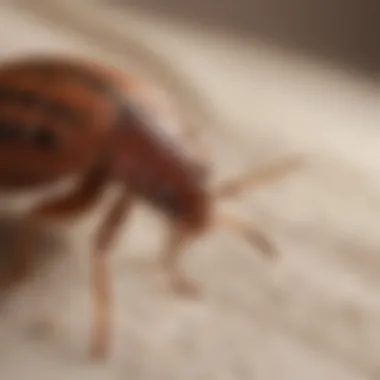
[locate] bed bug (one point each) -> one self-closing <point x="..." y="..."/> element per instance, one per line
<point x="61" y="117"/>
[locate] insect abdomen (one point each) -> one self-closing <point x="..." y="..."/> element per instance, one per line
<point x="54" y="119"/>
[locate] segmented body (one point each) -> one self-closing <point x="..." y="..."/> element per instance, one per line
<point x="62" y="117"/>
<point x="56" y="118"/>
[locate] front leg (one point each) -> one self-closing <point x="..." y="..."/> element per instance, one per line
<point x="100" y="274"/>
<point x="179" y="239"/>
<point x="255" y="179"/>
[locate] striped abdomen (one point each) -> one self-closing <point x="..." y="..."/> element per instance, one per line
<point x="55" y="118"/>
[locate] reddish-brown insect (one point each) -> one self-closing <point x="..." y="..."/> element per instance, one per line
<point x="64" y="117"/>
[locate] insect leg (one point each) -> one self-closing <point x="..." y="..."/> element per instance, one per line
<point x="177" y="241"/>
<point x="257" y="178"/>
<point x="100" y="274"/>
<point x="78" y="201"/>
<point x="249" y="233"/>
<point x="69" y="205"/>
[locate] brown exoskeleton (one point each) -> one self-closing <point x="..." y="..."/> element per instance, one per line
<point x="61" y="117"/>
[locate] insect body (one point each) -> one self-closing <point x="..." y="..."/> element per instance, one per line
<point x="62" y="117"/>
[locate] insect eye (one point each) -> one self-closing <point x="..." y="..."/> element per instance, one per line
<point x="168" y="199"/>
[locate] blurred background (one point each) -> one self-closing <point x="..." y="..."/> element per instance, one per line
<point x="262" y="80"/>
<point x="343" y="31"/>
